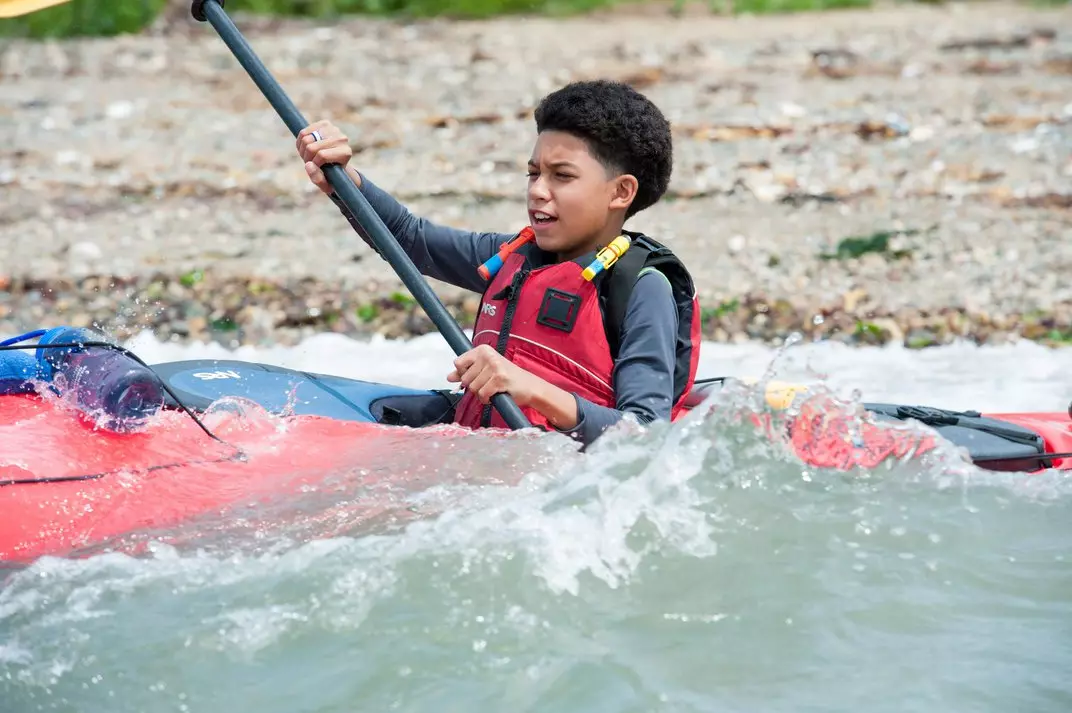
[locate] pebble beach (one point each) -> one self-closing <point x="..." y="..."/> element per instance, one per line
<point x="895" y="175"/>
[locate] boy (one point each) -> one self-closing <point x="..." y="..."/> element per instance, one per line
<point x="576" y="355"/>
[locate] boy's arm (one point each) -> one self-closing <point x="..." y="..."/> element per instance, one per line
<point x="644" y="371"/>
<point x="438" y="251"/>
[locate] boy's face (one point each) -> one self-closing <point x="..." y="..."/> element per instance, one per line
<point x="574" y="205"/>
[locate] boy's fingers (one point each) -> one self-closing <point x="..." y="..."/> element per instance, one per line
<point x="477" y="385"/>
<point x="463" y="361"/>
<point x="317" y="177"/>
<point x="305" y="149"/>
<point x="331" y="155"/>
<point x="305" y="137"/>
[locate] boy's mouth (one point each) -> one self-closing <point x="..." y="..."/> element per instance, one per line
<point x="538" y="218"/>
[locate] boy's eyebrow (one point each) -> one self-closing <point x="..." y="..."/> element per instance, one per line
<point x="555" y="164"/>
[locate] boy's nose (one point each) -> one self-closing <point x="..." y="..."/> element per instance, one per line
<point x="538" y="189"/>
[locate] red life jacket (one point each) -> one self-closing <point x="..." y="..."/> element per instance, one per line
<point x="546" y="318"/>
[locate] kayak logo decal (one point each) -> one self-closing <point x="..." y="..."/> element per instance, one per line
<point x="210" y="375"/>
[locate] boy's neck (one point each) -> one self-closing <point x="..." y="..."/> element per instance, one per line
<point x="592" y="246"/>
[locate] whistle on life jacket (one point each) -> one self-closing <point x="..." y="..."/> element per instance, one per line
<point x="607" y="256"/>
<point x="495" y="263"/>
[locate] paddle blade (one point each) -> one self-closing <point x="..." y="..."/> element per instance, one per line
<point x="16" y="8"/>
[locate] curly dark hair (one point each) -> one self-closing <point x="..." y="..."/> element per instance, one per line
<point x="623" y="129"/>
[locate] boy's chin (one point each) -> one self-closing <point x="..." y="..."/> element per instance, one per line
<point x="550" y="243"/>
<point x="556" y="244"/>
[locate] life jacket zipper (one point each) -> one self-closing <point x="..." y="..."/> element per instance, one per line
<point x="510" y="293"/>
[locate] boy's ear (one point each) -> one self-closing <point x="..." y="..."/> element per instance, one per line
<point x="625" y="190"/>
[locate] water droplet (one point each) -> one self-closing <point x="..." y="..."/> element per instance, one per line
<point x="479" y="645"/>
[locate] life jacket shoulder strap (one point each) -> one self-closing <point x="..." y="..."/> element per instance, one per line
<point x="616" y="286"/>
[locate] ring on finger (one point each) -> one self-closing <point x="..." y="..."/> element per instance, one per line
<point x="316" y="135"/>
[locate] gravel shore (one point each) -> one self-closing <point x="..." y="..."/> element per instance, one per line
<point x="901" y="174"/>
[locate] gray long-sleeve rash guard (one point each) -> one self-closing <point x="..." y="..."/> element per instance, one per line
<point x="643" y="375"/>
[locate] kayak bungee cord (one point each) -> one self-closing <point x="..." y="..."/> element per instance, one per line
<point x="97" y="476"/>
<point x="14" y="343"/>
<point x="1041" y="458"/>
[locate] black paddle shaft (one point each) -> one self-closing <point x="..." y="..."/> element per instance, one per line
<point x="356" y="203"/>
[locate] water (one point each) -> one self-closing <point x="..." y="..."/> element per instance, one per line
<point x="692" y="568"/>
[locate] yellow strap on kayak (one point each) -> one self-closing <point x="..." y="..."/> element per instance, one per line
<point x="779" y="394"/>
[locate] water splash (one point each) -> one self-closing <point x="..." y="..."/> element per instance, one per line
<point x="698" y="566"/>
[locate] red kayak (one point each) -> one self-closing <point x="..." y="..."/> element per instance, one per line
<point x="66" y="484"/>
